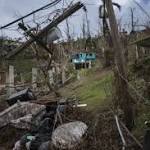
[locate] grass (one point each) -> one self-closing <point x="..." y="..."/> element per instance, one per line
<point x="94" y="88"/>
<point x="142" y="116"/>
<point x="91" y="89"/>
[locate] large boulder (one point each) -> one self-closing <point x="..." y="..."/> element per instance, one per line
<point x="68" y="135"/>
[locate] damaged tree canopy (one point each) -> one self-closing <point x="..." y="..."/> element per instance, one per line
<point x="68" y="12"/>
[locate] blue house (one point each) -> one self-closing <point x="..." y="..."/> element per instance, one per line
<point x="83" y="57"/>
<point x="83" y="60"/>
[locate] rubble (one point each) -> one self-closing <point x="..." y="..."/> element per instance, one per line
<point x="23" y="122"/>
<point x="24" y="95"/>
<point x="9" y="136"/>
<point x="17" y="146"/>
<point x="18" y="112"/>
<point x="102" y="132"/>
<point x="44" y="146"/>
<point x="44" y="125"/>
<point x="69" y="135"/>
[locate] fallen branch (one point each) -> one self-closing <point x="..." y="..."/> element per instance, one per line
<point x="120" y="132"/>
<point x="131" y="135"/>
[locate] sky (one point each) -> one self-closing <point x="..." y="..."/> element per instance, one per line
<point x="13" y="9"/>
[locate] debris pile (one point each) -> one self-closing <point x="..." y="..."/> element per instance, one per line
<point x="20" y="114"/>
<point x="24" y="95"/>
<point x="60" y="124"/>
<point x="102" y="131"/>
<point x="42" y="124"/>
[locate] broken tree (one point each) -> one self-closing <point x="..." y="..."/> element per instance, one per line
<point x="124" y="99"/>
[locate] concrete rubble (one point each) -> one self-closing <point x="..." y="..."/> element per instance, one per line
<point x="23" y="122"/>
<point x="23" y="96"/>
<point x="43" y="123"/>
<point x="20" y="112"/>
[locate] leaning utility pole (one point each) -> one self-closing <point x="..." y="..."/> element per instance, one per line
<point x="123" y="96"/>
<point x="68" y="12"/>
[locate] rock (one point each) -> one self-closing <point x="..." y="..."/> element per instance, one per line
<point x="28" y="144"/>
<point x="17" y="146"/>
<point x="44" y="146"/>
<point x="22" y="110"/>
<point x="23" y="96"/>
<point x="69" y="135"/>
<point x="23" y="122"/>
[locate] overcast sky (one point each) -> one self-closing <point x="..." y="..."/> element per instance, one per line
<point x="12" y="9"/>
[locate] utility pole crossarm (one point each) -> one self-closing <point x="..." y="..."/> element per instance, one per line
<point x="38" y="41"/>
<point x="68" y="12"/>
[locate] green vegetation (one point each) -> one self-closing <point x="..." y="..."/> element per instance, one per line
<point x="93" y="91"/>
<point x="24" y="67"/>
<point x="140" y="81"/>
<point x="143" y="115"/>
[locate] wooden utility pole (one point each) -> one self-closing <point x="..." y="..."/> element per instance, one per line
<point x="132" y="19"/>
<point x="123" y="97"/>
<point x="83" y="29"/>
<point x="68" y="31"/>
<point x="108" y="53"/>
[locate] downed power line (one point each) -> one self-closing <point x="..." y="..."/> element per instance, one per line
<point x="68" y="12"/>
<point x="33" y="12"/>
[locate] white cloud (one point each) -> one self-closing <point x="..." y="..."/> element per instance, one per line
<point x="9" y="7"/>
<point x="122" y="2"/>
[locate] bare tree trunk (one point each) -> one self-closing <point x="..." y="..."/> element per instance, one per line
<point x="68" y="31"/>
<point x="83" y="29"/>
<point x="123" y="97"/>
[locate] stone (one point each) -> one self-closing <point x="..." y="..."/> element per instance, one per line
<point x="68" y="135"/>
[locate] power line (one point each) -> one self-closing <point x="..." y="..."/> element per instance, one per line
<point x="142" y="9"/>
<point x="40" y="20"/>
<point x="15" y="27"/>
<point x="33" y="12"/>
